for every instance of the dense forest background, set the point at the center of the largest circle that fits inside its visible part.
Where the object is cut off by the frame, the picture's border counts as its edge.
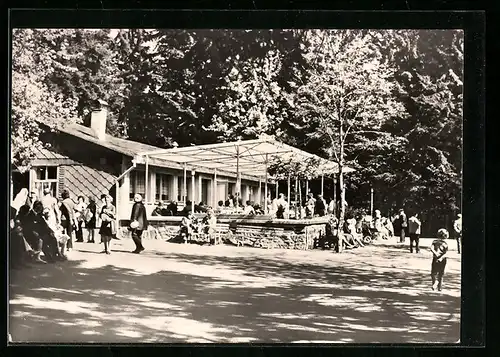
(395, 95)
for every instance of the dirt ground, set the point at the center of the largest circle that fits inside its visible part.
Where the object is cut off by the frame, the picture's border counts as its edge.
(175, 293)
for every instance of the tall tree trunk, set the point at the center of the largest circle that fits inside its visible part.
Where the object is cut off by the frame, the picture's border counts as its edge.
(296, 198)
(300, 200)
(342, 188)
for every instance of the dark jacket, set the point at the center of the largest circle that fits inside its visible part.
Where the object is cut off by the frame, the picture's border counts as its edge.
(92, 207)
(68, 210)
(139, 215)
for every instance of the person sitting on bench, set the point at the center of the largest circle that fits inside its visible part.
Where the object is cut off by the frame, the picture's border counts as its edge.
(210, 224)
(57, 231)
(187, 226)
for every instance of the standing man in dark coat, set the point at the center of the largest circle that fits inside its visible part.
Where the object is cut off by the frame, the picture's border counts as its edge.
(404, 225)
(138, 223)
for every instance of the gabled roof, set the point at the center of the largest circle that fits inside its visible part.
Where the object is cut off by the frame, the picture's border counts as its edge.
(123, 146)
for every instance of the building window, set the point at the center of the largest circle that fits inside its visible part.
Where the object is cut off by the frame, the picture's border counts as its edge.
(137, 184)
(162, 187)
(45, 177)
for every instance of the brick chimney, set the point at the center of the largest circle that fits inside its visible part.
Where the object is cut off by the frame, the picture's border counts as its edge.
(98, 119)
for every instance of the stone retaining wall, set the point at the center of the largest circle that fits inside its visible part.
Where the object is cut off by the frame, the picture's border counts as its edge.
(254, 231)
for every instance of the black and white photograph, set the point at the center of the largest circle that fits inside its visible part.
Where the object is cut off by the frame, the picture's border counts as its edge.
(210, 186)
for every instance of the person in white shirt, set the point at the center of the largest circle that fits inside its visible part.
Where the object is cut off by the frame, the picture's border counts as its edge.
(331, 207)
(310, 204)
(414, 225)
(209, 222)
(281, 206)
(387, 224)
(249, 210)
(51, 205)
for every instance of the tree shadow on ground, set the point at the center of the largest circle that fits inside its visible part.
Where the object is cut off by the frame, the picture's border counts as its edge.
(230, 299)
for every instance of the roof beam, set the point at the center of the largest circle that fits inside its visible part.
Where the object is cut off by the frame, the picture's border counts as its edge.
(203, 147)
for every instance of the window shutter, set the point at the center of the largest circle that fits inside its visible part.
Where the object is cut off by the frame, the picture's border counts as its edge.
(60, 180)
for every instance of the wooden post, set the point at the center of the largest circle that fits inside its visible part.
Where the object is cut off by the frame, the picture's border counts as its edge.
(238, 177)
(371, 201)
(307, 186)
(335, 194)
(146, 183)
(260, 191)
(184, 193)
(288, 198)
(297, 203)
(214, 194)
(200, 184)
(265, 189)
(118, 210)
(193, 173)
(322, 185)
(300, 197)
(277, 188)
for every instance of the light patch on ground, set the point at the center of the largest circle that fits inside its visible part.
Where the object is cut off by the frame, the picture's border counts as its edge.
(72, 307)
(55, 290)
(288, 316)
(372, 328)
(330, 300)
(129, 333)
(90, 333)
(297, 327)
(226, 303)
(160, 305)
(426, 315)
(225, 299)
(241, 339)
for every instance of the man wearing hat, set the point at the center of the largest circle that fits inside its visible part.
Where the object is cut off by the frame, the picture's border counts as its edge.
(138, 222)
(457, 226)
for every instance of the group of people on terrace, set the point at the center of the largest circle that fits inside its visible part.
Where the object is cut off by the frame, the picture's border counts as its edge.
(42, 229)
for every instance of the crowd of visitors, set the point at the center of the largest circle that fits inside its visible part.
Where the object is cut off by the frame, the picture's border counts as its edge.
(43, 228)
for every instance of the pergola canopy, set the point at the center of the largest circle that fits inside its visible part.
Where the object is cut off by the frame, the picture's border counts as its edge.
(248, 157)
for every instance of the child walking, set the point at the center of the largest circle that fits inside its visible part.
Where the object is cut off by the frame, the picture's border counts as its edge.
(439, 248)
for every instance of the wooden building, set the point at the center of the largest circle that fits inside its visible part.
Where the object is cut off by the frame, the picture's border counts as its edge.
(88, 162)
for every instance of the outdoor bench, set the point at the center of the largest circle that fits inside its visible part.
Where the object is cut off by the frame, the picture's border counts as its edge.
(216, 238)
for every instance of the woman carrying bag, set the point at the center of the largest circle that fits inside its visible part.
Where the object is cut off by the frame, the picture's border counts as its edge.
(108, 224)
